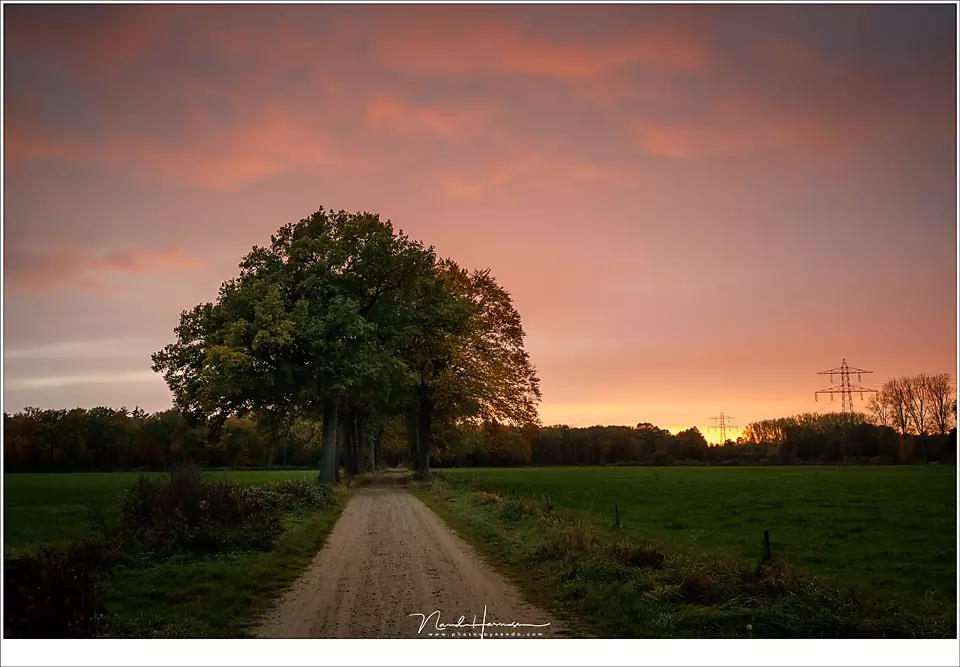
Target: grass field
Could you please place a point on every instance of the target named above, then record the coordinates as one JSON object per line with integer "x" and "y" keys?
{"x": 39, "y": 508}
{"x": 891, "y": 529}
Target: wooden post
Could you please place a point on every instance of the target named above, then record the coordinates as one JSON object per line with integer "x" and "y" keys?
{"x": 616, "y": 506}
{"x": 766, "y": 545}
{"x": 549, "y": 504}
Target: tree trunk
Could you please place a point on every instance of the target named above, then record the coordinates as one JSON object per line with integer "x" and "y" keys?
{"x": 365, "y": 441}
{"x": 424, "y": 422}
{"x": 351, "y": 434}
{"x": 357, "y": 443}
{"x": 328, "y": 451}
{"x": 342, "y": 446}
{"x": 412, "y": 430}
{"x": 378, "y": 449}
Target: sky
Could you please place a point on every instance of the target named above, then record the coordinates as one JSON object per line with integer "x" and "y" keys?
{"x": 695, "y": 208}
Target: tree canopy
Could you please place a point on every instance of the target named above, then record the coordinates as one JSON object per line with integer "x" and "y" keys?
{"x": 343, "y": 319}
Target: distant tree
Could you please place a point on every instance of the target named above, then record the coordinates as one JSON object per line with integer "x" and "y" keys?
{"x": 917, "y": 396}
{"x": 896, "y": 396}
{"x": 940, "y": 392}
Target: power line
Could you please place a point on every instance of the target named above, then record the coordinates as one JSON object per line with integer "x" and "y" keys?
{"x": 723, "y": 426}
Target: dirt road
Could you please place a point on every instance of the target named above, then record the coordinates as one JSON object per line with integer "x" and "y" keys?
{"x": 390, "y": 566}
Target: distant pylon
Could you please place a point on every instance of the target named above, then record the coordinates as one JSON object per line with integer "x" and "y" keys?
{"x": 723, "y": 426}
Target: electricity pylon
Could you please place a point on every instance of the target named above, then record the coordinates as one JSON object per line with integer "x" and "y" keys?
{"x": 846, "y": 391}
{"x": 723, "y": 426}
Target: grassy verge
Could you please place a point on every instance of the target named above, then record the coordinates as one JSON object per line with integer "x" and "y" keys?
{"x": 214, "y": 597}
{"x": 616, "y": 586}
{"x": 186, "y": 556}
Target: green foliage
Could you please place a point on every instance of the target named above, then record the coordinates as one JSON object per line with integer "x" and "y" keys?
{"x": 187, "y": 514}
{"x": 214, "y": 597}
{"x": 174, "y": 524}
{"x": 55, "y": 592}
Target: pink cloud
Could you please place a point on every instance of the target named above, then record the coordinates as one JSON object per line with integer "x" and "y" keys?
{"x": 394, "y": 115}
{"x": 268, "y": 141}
{"x": 61, "y": 269}
{"x": 443, "y": 46}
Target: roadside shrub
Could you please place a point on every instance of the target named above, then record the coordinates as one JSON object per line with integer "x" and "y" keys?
{"x": 574, "y": 538}
{"x": 54, "y": 592}
{"x": 639, "y": 555}
{"x": 700, "y": 586}
{"x": 488, "y": 498}
{"x": 186, "y": 513}
{"x": 512, "y": 511}
{"x": 771, "y": 579}
{"x": 298, "y": 495}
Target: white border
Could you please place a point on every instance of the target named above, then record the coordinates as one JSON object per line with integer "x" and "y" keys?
{"x": 239, "y": 652}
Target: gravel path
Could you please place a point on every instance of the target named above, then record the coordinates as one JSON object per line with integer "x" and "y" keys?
{"x": 390, "y": 566}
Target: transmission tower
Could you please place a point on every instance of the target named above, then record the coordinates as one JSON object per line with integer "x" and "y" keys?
{"x": 846, "y": 391}
{"x": 723, "y": 425}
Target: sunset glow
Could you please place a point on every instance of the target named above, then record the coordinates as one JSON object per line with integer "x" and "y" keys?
{"x": 695, "y": 208}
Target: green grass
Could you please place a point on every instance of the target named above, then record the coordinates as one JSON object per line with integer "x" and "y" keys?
{"x": 218, "y": 597}
{"x": 886, "y": 528}
{"x": 40, "y": 508}
{"x": 606, "y": 582}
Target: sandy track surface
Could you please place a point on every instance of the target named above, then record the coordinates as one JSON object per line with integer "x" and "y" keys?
{"x": 389, "y": 556}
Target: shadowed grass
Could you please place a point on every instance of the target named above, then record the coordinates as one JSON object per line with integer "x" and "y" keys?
{"x": 41, "y": 508}
{"x": 889, "y": 527}
{"x": 188, "y": 556}
{"x": 220, "y": 596}
{"x": 607, "y": 583}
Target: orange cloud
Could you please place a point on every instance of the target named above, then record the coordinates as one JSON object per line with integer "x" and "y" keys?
{"x": 215, "y": 157}
{"x": 532, "y": 170}
{"x": 442, "y": 46}
{"x": 50, "y": 270}
{"x": 394, "y": 115}
{"x": 748, "y": 123}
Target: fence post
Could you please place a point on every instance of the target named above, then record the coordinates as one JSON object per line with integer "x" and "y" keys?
{"x": 616, "y": 506}
{"x": 766, "y": 545}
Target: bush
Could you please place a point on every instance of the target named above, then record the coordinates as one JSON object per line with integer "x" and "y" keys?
{"x": 574, "y": 538}
{"x": 512, "y": 511}
{"x": 54, "y": 592}
{"x": 186, "y": 513}
{"x": 488, "y": 498}
{"x": 642, "y": 555}
{"x": 298, "y": 495}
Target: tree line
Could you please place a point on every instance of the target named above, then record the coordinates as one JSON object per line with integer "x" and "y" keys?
{"x": 920, "y": 405}
{"x": 107, "y": 439}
